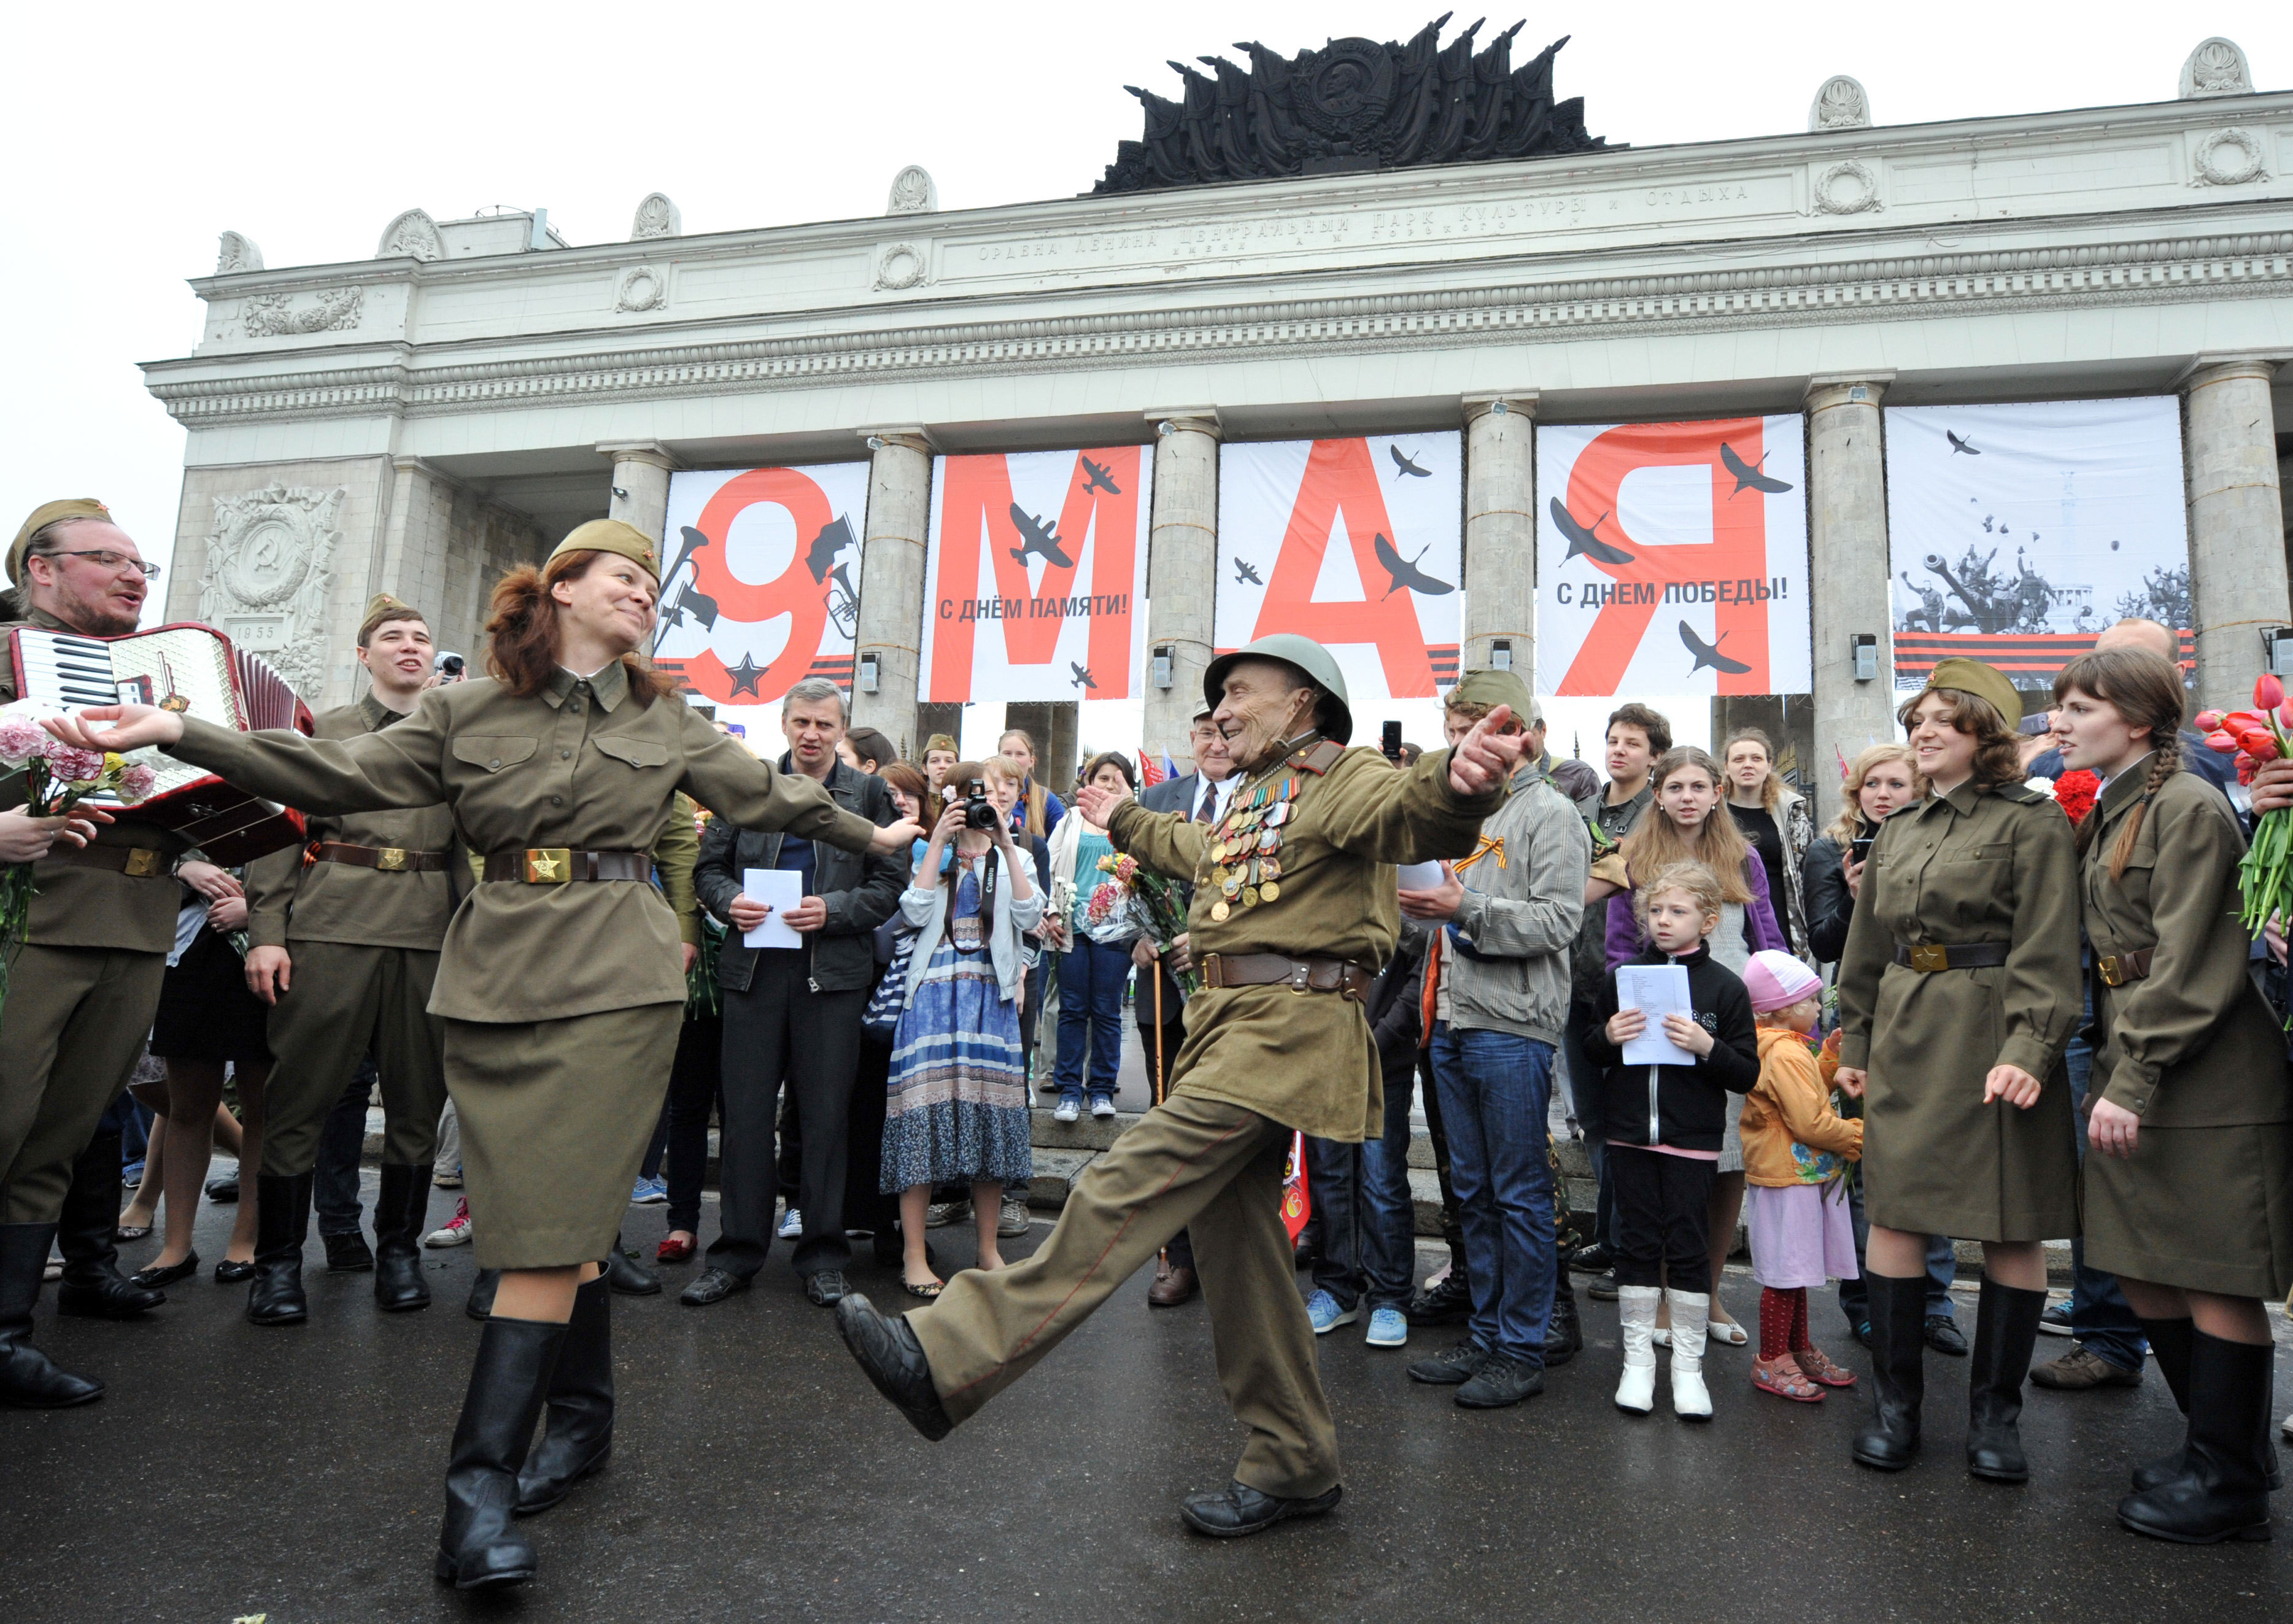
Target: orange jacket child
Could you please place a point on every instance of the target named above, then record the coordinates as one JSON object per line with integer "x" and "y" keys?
{"x": 1791, "y": 1134}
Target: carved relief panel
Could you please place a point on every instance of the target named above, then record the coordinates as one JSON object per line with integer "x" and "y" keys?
{"x": 267, "y": 568}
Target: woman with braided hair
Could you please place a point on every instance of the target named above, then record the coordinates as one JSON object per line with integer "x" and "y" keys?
{"x": 2191, "y": 1129}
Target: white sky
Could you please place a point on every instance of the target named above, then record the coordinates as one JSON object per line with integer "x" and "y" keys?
{"x": 139, "y": 133}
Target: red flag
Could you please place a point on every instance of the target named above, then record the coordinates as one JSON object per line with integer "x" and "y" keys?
{"x": 1149, "y": 775}
{"x": 1297, "y": 1201}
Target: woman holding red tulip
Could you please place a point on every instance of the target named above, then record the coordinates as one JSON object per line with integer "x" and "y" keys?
{"x": 2190, "y": 1122}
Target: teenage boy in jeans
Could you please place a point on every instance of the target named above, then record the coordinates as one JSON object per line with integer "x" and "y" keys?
{"x": 1497, "y": 972}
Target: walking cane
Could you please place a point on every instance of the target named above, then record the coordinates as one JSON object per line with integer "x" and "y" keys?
{"x": 1162, "y": 1253}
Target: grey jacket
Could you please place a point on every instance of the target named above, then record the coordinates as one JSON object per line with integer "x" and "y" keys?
{"x": 1519, "y": 917}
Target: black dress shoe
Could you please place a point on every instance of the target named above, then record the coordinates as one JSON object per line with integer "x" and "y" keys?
{"x": 156, "y": 1275}
{"x": 1239, "y": 1509}
{"x": 28, "y": 1379}
{"x": 348, "y": 1254}
{"x": 282, "y": 1222}
{"x": 1944, "y": 1336}
{"x": 888, "y": 1350}
{"x": 826, "y": 1288}
{"x": 233, "y": 1270}
{"x": 712, "y": 1285}
{"x": 224, "y": 1189}
{"x": 626, "y": 1275}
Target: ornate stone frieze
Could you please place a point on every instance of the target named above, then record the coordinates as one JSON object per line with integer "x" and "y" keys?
{"x": 413, "y": 235}
{"x": 2217, "y": 68}
{"x": 913, "y": 192}
{"x": 2229, "y": 158}
{"x": 901, "y": 266}
{"x": 1846, "y": 188}
{"x": 640, "y": 287}
{"x": 269, "y": 560}
{"x": 235, "y": 254}
{"x": 1841, "y": 104}
{"x": 275, "y": 315}
{"x": 656, "y": 216}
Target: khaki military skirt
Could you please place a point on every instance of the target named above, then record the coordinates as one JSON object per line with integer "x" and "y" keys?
{"x": 1938, "y": 1161}
{"x": 555, "y": 1116}
{"x": 2207, "y": 1209}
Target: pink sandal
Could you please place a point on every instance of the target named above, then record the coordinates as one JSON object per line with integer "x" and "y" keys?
{"x": 1785, "y": 1380}
{"x": 1817, "y": 1366}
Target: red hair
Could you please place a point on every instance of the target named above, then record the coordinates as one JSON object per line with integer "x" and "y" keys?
{"x": 522, "y": 630}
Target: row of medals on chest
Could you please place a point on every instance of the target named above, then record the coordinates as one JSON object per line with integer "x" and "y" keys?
{"x": 1245, "y": 852}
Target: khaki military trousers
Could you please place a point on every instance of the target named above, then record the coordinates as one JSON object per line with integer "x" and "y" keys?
{"x": 1201, "y": 1165}
{"x": 70, "y": 1033}
{"x": 340, "y": 998}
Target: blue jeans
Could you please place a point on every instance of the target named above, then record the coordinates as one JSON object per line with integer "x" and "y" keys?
{"x": 1496, "y": 1088}
{"x": 1092, "y": 975}
{"x": 1389, "y": 1218}
{"x": 2101, "y": 1317}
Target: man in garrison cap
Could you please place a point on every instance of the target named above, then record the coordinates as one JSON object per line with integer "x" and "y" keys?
{"x": 83, "y": 990}
{"x": 1294, "y": 912}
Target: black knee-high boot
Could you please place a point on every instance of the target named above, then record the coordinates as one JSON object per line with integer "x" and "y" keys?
{"x": 2005, "y": 1330}
{"x": 579, "y": 1433}
{"x": 1898, "y": 1311}
{"x": 28, "y": 1378}
{"x": 282, "y": 1223}
{"x": 2221, "y": 1492}
{"x": 481, "y": 1301}
{"x": 2170, "y": 1342}
{"x": 399, "y": 1210}
{"x": 479, "y": 1543}
{"x": 92, "y": 1287}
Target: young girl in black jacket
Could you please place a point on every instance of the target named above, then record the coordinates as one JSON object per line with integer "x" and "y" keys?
{"x": 1664, "y": 1125}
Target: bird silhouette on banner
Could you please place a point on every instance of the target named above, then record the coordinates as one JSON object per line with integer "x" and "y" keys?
{"x": 1582, "y": 541}
{"x": 1748, "y": 474}
{"x": 1407, "y": 573}
{"x": 1959, "y": 446}
{"x": 1708, "y": 654}
{"x": 1402, "y": 465}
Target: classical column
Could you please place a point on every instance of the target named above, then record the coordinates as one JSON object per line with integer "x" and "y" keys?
{"x": 640, "y": 494}
{"x": 1181, "y": 573}
{"x": 1500, "y": 530}
{"x": 892, "y": 585}
{"x": 2237, "y": 523}
{"x": 1847, "y": 577}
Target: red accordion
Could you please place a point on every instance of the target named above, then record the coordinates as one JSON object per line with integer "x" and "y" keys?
{"x": 184, "y": 667}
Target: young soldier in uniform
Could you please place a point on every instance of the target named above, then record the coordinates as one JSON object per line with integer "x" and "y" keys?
{"x": 83, "y": 989}
{"x": 343, "y": 939}
{"x": 1295, "y": 908}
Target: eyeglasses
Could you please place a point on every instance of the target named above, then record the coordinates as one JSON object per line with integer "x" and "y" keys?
{"x": 112, "y": 562}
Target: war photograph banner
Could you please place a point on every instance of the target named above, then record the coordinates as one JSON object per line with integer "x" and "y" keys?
{"x": 1354, "y": 543}
{"x": 1671, "y": 558}
{"x": 1035, "y": 579}
{"x": 2017, "y": 533}
{"x": 761, "y": 583}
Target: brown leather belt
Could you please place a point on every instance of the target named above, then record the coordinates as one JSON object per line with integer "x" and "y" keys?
{"x": 136, "y": 862}
{"x": 1952, "y": 955}
{"x": 2116, "y": 969}
{"x": 1220, "y": 970}
{"x": 383, "y": 859}
{"x": 557, "y": 865}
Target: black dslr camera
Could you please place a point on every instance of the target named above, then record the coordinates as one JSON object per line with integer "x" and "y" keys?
{"x": 978, "y": 811}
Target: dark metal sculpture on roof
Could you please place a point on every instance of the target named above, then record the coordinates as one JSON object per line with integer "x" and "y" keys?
{"x": 1354, "y": 104}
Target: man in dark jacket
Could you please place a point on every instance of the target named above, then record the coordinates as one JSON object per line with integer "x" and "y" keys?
{"x": 793, "y": 1014}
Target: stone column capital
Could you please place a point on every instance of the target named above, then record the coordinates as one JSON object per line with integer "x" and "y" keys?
{"x": 2258, "y": 365}
{"x": 650, "y": 452}
{"x": 1825, "y": 390}
{"x": 1189, "y": 420}
{"x": 908, "y": 436}
{"x": 1503, "y": 402}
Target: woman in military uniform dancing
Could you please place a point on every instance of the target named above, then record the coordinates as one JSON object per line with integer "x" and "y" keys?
{"x": 560, "y": 983}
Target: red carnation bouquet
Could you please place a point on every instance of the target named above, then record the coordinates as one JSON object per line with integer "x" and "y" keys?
{"x": 2074, "y": 794}
{"x": 2263, "y": 733}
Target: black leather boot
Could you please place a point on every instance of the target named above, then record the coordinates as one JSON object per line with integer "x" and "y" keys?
{"x": 624, "y": 1274}
{"x": 1898, "y": 1377}
{"x": 28, "y": 1379}
{"x": 1564, "y": 1337}
{"x": 282, "y": 1223}
{"x": 579, "y": 1432}
{"x": 92, "y": 1287}
{"x": 480, "y": 1302}
{"x": 2221, "y": 1492}
{"x": 479, "y": 1543}
{"x": 399, "y": 1211}
{"x": 2005, "y": 1330}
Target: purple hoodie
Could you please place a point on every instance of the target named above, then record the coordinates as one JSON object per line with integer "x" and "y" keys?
{"x": 1759, "y": 918}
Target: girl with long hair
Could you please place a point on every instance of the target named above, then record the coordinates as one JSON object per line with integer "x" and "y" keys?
{"x": 1775, "y": 820}
{"x": 1094, "y": 955}
{"x": 1880, "y": 782}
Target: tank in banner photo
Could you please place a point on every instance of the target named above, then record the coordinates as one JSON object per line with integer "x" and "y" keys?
{"x": 1671, "y": 558}
{"x": 2017, "y": 533}
{"x": 760, "y": 590}
{"x": 1036, "y": 579}
{"x": 1355, "y": 543}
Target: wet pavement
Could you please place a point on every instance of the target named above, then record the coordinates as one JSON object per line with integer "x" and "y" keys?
{"x": 294, "y": 1472}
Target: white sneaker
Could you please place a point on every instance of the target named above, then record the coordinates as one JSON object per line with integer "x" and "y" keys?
{"x": 1102, "y": 1107}
{"x": 456, "y": 1233}
{"x": 1691, "y": 1316}
{"x": 1068, "y": 1110}
{"x": 1636, "y": 1321}
{"x": 791, "y": 1224}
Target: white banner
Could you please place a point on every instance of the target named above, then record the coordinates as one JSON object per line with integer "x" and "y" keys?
{"x": 2017, "y": 533}
{"x": 1357, "y": 544}
{"x": 1036, "y": 576}
{"x": 761, "y": 587}
{"x": 1672, "y": 558}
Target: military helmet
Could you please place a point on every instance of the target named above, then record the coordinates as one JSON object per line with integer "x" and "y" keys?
{"x": 1309, "y": 658}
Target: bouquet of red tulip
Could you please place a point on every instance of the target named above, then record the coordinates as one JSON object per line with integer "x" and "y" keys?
{"x": 2263, "y": 733}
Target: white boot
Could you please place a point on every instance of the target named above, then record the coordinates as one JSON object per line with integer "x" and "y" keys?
{"x": 1636, "y": 1319}
{"x": 1691, "y": 1318}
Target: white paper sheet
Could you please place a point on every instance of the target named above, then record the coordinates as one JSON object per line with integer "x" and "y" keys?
{"x": 781, "y": 889}
{"x": 1420, "y": 876}
{"x": 1658, "y": 990}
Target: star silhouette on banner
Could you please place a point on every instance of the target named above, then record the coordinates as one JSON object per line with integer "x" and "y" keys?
{"x": 745, "y": 676}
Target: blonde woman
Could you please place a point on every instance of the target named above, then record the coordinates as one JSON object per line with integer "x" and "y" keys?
{"x": 1775, "y": 820}
{"x": 1881, "y": 780}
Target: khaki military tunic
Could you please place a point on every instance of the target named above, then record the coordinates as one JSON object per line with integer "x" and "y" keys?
{"x": 1258, "y": 1062}
{"x": 2206, "y": 1201}
{"x": 81, "y": 994}
{"x": 561, "y": 1001}
{"x": 1973, "y": 866}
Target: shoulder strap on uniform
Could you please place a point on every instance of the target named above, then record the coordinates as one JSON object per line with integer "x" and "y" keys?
{"x": 2021, "y": 794}
{"x": 1320, "y": 759}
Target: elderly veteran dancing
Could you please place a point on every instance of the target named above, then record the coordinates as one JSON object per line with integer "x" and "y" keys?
{"x": 560, "y": 981}
{"x": 1295, "y": 910}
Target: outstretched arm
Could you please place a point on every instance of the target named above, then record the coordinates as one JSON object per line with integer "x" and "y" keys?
{"x": 722, "y": 776}
{"x": 374, "y": 772}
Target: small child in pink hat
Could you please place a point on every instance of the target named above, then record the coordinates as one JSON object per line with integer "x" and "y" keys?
{"x": 1796, "y": 1148}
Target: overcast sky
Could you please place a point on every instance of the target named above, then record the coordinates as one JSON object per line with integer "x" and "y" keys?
{"x": 138, "y": 133}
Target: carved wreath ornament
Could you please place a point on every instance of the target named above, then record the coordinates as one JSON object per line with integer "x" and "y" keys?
{"x": 1847, "y": 188}
{"x": 642, "y": 288}
{"x": 2228, "y": 157}
{"x": 270, "y": 553}
{"x": 900, "y": 267}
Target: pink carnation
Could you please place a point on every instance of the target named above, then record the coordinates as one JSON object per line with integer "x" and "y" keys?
{"x": 69, "y": 765}
{"x": 136, "y": 783}
{"x": 20, "y": 739}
